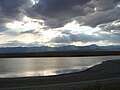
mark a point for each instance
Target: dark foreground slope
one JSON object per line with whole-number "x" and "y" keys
{"x": 104, "y": 72}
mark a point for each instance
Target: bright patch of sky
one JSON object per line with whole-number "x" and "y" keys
{"x": 25, "y": 25}
{"x": 47, "y": 22}
{"x": 34, "y": 1}
{"x": 32, "y": 30}
{"x": 118, "y": 5}
{"x": 76, "y": 28}
{"x": 42, "y": 36}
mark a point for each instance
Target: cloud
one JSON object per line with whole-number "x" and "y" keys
{"x": 110, "y": 38}
{"x": 16, "y": 43}
{"x": 57, "y": 13}
{"x": 2, "y": 28}
{"x": 11, "y": 8}
{"x": 13, "y": 44}
{"x": 102, "y": 14}
{"x": 104, "y": 5}
{"x": 70, "y": 38}
{"x": 55, "y": 8}
{"x": 101, "y": 17}
{"x": 29, "y": 32}
{"x": 112, "y": 27}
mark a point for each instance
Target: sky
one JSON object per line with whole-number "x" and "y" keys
{"x": 32, "y": 23}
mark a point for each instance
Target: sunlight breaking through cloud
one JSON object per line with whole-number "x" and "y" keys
{"x": 75, "y": 27}
{"x": 59, "y": 22}
{"x": 34, "y": 1}
{"x": 26, "y": 24}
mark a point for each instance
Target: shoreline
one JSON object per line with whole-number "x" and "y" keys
{"x": 60, "y": 54}
{"x": 97, "y": 72}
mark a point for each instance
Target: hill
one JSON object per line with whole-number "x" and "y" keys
{"x": 62, "y": 48}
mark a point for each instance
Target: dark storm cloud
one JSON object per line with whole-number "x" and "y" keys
{"x": 52, "y": 8}
{"x": 105, "y": 12}
{"x": 101, "y": 17}
{"x": 11, "y": 7}
{"x": 11, "y": 10}
{"x": 104, "y": 5}
{"x": 57, "y": 13}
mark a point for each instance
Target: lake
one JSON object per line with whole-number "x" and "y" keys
{"x": 22, "y": 67}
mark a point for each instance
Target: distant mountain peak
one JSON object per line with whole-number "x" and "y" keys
{"x": 92, "y": 47}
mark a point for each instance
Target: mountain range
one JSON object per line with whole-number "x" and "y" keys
{"x": 62, "y": 48}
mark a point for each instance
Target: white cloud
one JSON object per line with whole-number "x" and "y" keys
{"x": 25, "y": 25}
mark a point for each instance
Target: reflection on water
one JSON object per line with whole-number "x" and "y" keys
{"x": 21, "y": 67}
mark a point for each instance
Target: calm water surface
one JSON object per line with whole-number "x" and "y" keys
{"x": 22, "y": 67}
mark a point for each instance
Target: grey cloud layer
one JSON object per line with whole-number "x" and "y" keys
{"x": 16, "y": 43}
{"x": 104, "y": 5}
{"x": 70, "y": 38}
{"x": 101, "y": 17}
{"x": 57, "y": 13}
{"x": 90, "y": 12}
{"x": 52, "y": 8}
{"x": 60, "y": 12}
{"x": 13, "y": 43}
{"x": 12, "y": 9}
